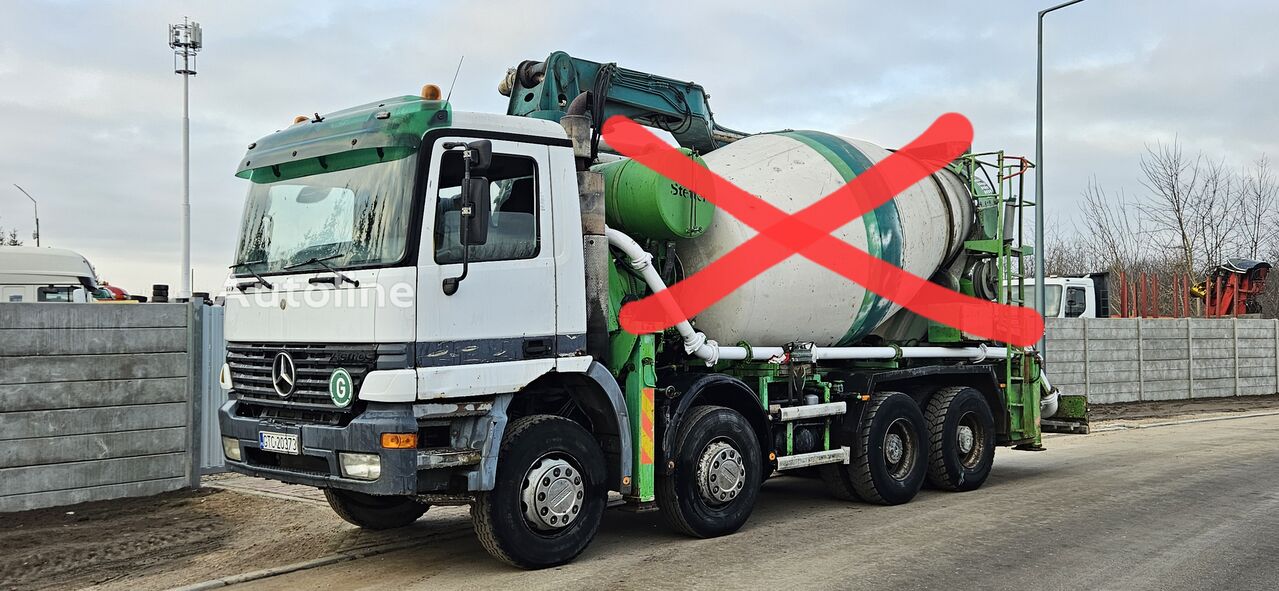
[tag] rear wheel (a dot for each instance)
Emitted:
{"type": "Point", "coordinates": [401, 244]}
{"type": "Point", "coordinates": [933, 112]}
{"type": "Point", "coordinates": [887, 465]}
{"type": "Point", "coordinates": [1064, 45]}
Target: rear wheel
{"type": "Point", "coordinates": [549, 496]}
{"type": "Point", "coordinates": [889, 454]}
{"type": "Point", "coordinates": [718, 470]}
{"type": "Point", "coordinates": [961, 430]}
{"type": "Point", "coordinates": [373, 511]}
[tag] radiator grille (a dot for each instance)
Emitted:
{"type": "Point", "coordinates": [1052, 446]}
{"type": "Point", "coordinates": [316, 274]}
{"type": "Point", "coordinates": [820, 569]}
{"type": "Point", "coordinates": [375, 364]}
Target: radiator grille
{"type": "Point", "coordinates": [250, 365]}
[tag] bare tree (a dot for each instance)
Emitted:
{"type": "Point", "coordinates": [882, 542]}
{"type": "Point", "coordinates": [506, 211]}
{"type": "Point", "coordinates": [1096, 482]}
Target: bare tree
{"type": "Point", "coordinates": [1257, 214]}
{"type": "Point", "coordinates": [1114, 229]}
{"type": "Point", "coordinates": [1068, 255]}
{"type": "Point", "coordinates": [1198, 213]}
{"type": "Point", "coordinates": [1215, 213]}
{"type": "Point", "coordinates": [1173, 181]}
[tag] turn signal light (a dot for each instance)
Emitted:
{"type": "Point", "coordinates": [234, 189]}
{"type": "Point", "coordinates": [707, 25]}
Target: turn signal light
{"type": "Point", "coordinates": [431, 92]}
{"type": "Point", "coordinates": [399, 440]}
{"type": "Point", "coordinates": [300, 119]}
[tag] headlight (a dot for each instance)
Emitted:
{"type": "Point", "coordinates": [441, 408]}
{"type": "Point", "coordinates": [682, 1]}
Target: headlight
{"type": "Point", "coordinates": [231, 448]}
{"type": "Point", "coordinates": [360, 466]}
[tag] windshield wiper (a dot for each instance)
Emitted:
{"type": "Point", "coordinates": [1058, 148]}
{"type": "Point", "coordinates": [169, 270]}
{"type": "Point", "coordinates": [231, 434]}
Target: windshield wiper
{"type": "Point", "coordinates": [258, 279]}
{"type": "Point", "coordinates": [320, 261]}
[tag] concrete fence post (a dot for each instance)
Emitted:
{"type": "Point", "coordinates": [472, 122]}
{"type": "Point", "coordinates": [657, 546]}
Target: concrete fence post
{"type": "Point", "coordinates": [1087, 381]}
{"type": "Point", "coordinates": [1276, 330]}
{"type": "Point", "coordinates": [1141, 377]}
{"type": "Point", "coordinates": [1190, 359]}
{"type": "Point", "coordinates": [1235, 327]}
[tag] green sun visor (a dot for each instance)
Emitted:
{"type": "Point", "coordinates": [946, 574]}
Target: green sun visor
{"type": "Point", "coordinates": [377, 132]}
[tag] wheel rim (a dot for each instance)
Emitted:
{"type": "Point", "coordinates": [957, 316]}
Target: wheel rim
{"type": "Point", "coordinates": [721, 473]}
{"type": "Point", "coordinates": [969, 437]}
{"type": "Point", "coordinates": [553, 492]}
{"type": "Point", "coordinates": [899, 449]}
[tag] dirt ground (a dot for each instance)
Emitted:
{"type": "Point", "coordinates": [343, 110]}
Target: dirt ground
{"type": "Point", "coordinates": [173, 539]}
{"type": "Point", "coordinates": [1180, 409]}
{"type": "Point", "coordinates": [192, 536]}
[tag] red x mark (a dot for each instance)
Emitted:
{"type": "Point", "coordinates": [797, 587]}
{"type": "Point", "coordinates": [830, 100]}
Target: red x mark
{"type": "Point", "coordinates": [807, 233]}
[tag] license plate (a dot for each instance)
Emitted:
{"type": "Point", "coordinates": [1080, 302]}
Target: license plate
{"type": "Point", "coordinates": [285, 443]}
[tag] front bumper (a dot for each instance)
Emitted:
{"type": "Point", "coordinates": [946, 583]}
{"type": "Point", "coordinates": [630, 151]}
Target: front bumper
{"type": "Point", "coordinates": [318, 463]}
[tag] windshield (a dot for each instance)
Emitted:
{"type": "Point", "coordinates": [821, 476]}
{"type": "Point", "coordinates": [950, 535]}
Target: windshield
{"type": "Point", "coordinates": [1052, 305]}
{"type": "Point", "coordinates": [348, 218]}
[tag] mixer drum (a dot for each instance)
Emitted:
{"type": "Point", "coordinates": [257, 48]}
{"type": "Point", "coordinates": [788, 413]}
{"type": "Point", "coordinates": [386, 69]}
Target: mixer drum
{"type": "Point", "coordinates": [797, 299]}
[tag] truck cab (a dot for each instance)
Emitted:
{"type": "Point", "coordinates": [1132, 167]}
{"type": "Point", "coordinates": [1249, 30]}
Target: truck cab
{"type": "Point", "coordinates": [356, 258]}
{"type": "Point", "coordinates": [353, 365]}
{"type": "Point", "coordinates": [1071, 297]}
{"type": "Point", "coordinates": [48, 275]}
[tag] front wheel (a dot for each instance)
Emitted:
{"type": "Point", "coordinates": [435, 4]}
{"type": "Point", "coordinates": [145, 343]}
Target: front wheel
{"type": "Point", "coordinates": [549, 496]}
{"type": "Point", "coordinates": [718, 470]}
{"type": "Point", "coordinates": [372, 511]}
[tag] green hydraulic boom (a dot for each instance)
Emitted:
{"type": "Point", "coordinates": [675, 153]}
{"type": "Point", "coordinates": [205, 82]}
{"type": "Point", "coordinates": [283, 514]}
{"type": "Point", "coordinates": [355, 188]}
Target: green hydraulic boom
{"type": "Point", "coordinates": [546, 89]}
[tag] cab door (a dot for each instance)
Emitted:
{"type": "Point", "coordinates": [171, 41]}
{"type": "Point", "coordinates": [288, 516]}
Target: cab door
{"type": "Point", "coordinates": [497, 332]}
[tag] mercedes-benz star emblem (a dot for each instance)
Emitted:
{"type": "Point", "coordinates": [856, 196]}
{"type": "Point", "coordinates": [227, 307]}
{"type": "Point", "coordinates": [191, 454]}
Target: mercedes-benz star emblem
{"type": "Point", "coordinates": [283, 374]}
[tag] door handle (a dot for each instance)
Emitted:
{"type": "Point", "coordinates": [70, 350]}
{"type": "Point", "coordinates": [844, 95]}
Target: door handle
{"type": "Point", "coordinates": [536, 347]}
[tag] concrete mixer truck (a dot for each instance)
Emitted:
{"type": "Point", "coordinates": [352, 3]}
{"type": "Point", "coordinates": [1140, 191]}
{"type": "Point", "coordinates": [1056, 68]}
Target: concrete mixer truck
{"type": "Point", "coordinates": [424, 310]}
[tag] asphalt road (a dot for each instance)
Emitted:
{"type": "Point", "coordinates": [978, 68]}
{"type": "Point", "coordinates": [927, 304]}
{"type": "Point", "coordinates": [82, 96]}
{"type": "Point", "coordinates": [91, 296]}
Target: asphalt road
{"type": "Point", "coordinates": [1190, 506]}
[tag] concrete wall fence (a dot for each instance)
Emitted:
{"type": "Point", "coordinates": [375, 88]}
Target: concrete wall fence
{"type": "Point", "coordinates": [1149, 359]}
{"type": "Point", "coordinates": [104, 401]}
{"type": "Point", "coordinates": [97, 402]}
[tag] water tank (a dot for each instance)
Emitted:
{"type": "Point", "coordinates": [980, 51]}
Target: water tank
{"type": "Point", "coordinates": [797, 299]}
{"type": "Point", "coordinates": [645, 204]}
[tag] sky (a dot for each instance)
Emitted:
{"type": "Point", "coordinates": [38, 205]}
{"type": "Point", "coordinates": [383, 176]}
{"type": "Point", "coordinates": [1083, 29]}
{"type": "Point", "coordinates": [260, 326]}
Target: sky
{"type": "Point", "coordinates": [90, 108]}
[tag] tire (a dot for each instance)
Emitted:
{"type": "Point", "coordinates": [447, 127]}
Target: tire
{"type": "Point", "coordinates": [713, 445]}
{"type": "Point", "coordinates": [950, 412]}
{"type": "Point", "coordinates": [543, 455]}
{"type": "Point", "coordinates": [373, 511]}
{"type": "Point", "coordinates": [871, 475]}
{"type": "Point", "coordinates": [838, 481]}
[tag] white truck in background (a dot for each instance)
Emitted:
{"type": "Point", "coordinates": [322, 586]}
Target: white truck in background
{"type": "Point", "coordinates": [1072, 297]}
{"type": "Point", "coordinates": [51, 275]}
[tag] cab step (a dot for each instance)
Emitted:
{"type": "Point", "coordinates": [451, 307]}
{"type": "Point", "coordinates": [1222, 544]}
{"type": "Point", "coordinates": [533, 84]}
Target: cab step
{"type": "Point", "coordinates": [834, 456]}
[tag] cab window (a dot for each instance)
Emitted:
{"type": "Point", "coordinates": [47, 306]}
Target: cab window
{"type": "Point", "coordinates": [513, 228]}
{"type": "Point", "coordinates": [54, 294]}
{"type": "Point", "coordinates": [1076, 302]}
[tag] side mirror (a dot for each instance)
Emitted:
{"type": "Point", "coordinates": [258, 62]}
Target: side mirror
{"type": "Point", "coordinates": [481, 156]}
{"type": "Point", "coordinates": [477, 208]}
{"type": "Point", "coordinates": [477, 204]}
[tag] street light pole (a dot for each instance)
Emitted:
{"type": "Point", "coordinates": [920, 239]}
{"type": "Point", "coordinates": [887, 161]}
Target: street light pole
{"type": "Point", "coordinates": [186, 39]}
{"type": "Point", "coordinates": [1041, 299]}
{"type": "Point", "coordinates": [36, 206]}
